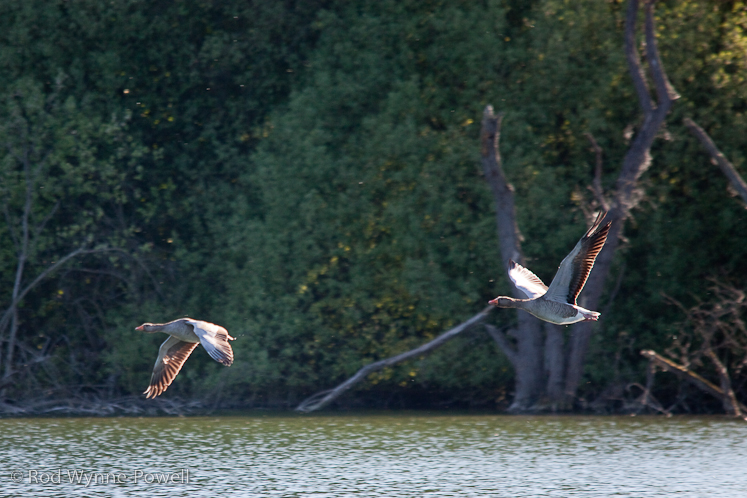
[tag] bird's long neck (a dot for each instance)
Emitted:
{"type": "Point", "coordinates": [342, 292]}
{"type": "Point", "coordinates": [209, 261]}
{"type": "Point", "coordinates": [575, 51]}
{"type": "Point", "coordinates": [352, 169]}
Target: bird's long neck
{"type": "Point", "coordinates": [509, 302]}
{"type": "Point", "coordinates": [175, 326]}
{"type": "Point", "coordinates": [152, 328]}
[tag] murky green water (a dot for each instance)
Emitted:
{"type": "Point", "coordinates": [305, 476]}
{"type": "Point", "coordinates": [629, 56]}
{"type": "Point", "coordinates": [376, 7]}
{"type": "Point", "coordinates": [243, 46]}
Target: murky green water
{"type": "Point", "coordinates": [374, 455]}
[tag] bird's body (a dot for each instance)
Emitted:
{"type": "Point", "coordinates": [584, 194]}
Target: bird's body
{"type": "Point", "coordinates": [552, 311]}
{"type": "Point", "coordinates": [184, 336]}
{"type": "Point", "coordinates": [557, 303]}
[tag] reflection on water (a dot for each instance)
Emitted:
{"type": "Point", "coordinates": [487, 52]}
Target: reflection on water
{"type": "Point", "coordinates": [375, 455]}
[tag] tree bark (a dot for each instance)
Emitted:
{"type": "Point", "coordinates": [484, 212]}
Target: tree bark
{"type": "Point", "coordinates": [731, 406]}
{"type": "Point", "coordinates": [554, 365]}
{"type": "Point", "coordinates": [635, 163]}
{"type": "Point", "coordinates": [503, 192]}
{"type": "Point", "coordinates": [528, 352]}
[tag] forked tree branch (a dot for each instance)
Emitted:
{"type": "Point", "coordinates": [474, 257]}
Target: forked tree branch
{"type": "Point", "coordinates": [634, 64]}
{"type": "Point", "coordinates": [527, 360]}
{"type": "Point", "coordinates": [636, 161]}
{"type": "Point", "coordinates": [52, 268]}
{"type": "Point", "coordinates": [664, 89]}
{"type": "Point", "coordinates": [503, 192]}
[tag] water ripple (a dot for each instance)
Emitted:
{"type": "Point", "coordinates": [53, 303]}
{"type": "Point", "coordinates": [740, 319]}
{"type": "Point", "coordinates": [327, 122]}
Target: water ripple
{"type": "Point", "coordinates": [376, 455]}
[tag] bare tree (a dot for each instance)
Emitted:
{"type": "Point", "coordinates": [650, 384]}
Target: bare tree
{"type": "Point", "coordinates": [545, 376]}
{"type": "Point", "coordinates": [46, 157]}
{"type": "Point", "coordinates": [713, 334]}
{"type": "Point", "coordinates": [535, 365]}
{"type": "Point", "coordinates": [716, 328]}
{"type": "Point", "coordinates": [626, 195]}
{"type": "Point", "coordinates": [527, 354]}
{"type": "Point", "coordinates": [26, 231]}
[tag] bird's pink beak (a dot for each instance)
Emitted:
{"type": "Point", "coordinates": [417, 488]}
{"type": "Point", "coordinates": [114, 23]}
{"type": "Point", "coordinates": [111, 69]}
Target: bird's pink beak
{"type": "Point", "coordinates": [140, 328]}
{"type": "Point", "coordinates": [493, 301]}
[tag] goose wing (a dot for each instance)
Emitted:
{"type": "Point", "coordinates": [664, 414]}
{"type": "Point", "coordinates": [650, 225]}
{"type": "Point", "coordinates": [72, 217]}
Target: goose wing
{"type": "Point", "coordinates": [214, 339]}
{"type": "Point", "coordinates": [575, 268]}
{"type": "Point", "coordinates": [171, 356]}
{"type": "Point", "coordinates": [526, 281]}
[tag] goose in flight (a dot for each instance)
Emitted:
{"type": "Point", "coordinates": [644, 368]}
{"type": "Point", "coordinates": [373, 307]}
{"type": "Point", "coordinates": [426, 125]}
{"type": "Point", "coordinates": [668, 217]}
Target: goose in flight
{"type": "Point", "coordinates": [557, 303]}
{"type": "Point", "coordinates": [184, 336]}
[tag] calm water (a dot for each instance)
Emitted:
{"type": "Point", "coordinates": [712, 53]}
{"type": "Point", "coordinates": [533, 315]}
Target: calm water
{"type": "Point", "coordinates": [374, 455]}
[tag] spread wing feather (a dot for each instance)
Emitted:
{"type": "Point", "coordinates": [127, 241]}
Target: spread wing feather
{"type": "Point", "coordinates": [214, 339]}
{"type": "Point", "coordinates": [171, 356]}
{"type": "Point", "coordinates": [575, 268]}
{"type": "Point", "coordinates": [526, 281]}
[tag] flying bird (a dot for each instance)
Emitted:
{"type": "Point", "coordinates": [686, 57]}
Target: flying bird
{"type": "Point", "coordinates": [184, 336]}
{"type": "Point", "coordinates": [557, 303]}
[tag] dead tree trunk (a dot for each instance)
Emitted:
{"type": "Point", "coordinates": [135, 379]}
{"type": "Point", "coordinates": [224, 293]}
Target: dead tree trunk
{"type": "Point", "coordinates": [540, 365]}
{"type": "Point", "coordinates": [526, 356]}
{"type": "Point", "coordinates": [635, 163]}
{"type": "Point", "coordinates": [731, 406]}
{"type": "Point", "coordinates": [554, 366]}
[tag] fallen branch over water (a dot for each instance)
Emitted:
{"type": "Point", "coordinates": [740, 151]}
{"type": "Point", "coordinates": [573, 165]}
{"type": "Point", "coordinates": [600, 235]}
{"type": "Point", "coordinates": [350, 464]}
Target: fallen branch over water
{"type": "Point", "coordinates": [322, 399]}
{"type": "Point", "coordinates": [738, 409]}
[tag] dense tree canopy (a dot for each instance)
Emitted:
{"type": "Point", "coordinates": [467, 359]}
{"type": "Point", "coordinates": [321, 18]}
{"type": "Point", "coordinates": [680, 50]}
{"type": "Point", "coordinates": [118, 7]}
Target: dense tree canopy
{"type": "Point", "coordinates": [306, 173]}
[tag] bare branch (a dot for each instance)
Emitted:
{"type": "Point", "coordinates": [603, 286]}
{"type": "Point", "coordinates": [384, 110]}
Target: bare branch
{"type": "Point", "coordinates": [634, 60]}
{"type": "Point", "coordinates": [503, 343]}
{"type": "Point", "coordinates": [636, 161]}
{"type": "Point", "coordinates": [81, 250]}
{"type": "Point", "coordinates": [686, 374]}
{"type": "Point", "coordinates": [647, 398]}
{"type": "Point", "coordinates": [664, 89]}
{"type": "Point", "coordinates": [11, 314]}
{"type": "Point", "coordinates": [503, 192]}
{"type": "Point", "coordinates": [46, 219]}
{"type": "Point", "coordinates": [718, 157]}
{"type": "Point", "coordinates": [315, 403]}
{"type": "Point", "coordinates": [529, 330]}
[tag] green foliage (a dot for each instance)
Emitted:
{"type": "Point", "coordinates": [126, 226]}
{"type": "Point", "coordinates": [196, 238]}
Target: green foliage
{"type": "Point", "coordinates": [307, 174]}
{"type": "Point", "coordinates": [65, 176]}
{"type": "Point", "coordinates": [368, 242]}
{"type": "Point", "coordinates": [195, 78]}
